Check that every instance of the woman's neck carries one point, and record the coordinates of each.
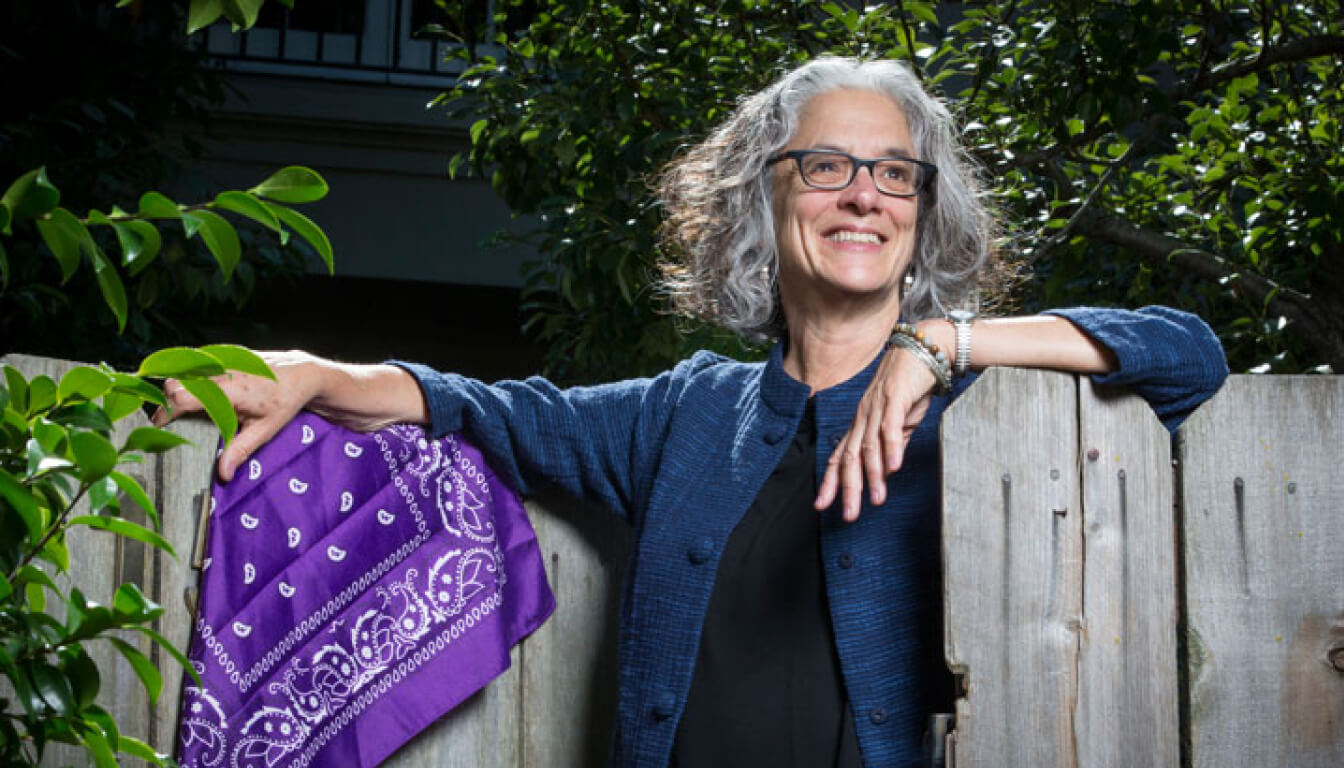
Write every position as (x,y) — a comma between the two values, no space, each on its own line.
(827,349)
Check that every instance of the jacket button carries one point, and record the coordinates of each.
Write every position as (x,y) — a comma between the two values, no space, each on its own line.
(878,716)
(776,433)
(701,551)
(664,705)
(845,560)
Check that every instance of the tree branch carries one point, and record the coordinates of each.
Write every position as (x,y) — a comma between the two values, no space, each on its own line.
(1155,246)
(1300,49)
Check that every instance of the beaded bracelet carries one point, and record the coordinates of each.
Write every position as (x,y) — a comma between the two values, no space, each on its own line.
(909,337)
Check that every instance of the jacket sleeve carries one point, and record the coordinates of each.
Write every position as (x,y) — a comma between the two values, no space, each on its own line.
(1168,357)
(591,442)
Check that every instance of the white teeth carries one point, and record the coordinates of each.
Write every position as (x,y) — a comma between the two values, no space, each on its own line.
(845,236)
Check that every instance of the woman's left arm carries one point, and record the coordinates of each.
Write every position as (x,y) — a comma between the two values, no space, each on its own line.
(1170,358)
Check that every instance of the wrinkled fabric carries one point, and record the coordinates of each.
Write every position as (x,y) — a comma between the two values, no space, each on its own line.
(355,588)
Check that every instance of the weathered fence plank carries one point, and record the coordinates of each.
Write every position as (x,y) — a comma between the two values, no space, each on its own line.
(1011,556)
(1127,688)
(569,664)
(1262,496)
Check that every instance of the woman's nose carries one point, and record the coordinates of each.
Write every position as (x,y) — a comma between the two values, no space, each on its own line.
(861,195)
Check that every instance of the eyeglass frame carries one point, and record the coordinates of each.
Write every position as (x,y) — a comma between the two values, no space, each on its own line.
(928,171)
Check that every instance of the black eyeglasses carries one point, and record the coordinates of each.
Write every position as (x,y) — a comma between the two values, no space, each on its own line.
(829,169)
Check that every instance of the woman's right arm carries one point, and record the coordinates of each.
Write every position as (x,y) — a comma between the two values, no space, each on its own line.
(598,443)
(360,397)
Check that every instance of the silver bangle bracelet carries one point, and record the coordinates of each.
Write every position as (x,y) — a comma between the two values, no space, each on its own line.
(909,337)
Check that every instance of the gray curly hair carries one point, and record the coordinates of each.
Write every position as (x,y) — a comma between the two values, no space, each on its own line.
(720,257)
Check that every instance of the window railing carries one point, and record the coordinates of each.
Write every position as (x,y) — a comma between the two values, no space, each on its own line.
(350,40)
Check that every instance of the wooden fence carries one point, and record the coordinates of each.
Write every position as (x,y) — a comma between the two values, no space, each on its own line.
(1109,603)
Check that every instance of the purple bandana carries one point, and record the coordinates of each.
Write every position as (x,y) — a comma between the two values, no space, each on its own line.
(356,587)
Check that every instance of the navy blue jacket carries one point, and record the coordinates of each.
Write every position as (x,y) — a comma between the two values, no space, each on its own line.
(682,455)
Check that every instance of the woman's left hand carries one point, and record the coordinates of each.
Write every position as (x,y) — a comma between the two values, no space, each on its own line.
(874,447)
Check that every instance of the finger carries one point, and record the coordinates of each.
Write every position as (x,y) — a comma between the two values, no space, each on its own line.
(894,438)
(252,436)
(851,479)
(851,452)
(830,482)
(872,467)
(180,402)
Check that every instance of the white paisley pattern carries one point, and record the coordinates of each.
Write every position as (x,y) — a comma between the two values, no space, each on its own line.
(411,618)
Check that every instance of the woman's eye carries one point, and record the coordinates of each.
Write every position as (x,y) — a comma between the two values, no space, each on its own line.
(896,173)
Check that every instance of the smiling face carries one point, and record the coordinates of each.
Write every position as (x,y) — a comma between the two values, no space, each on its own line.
(841,246)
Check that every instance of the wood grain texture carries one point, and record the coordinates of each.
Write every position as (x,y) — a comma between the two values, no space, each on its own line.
(1127,688)
(569,664)
(1262,499)
(1012,567)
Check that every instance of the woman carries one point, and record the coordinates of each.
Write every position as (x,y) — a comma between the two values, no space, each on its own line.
(754,630)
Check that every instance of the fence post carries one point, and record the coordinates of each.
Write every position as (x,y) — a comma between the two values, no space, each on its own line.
(1262,498)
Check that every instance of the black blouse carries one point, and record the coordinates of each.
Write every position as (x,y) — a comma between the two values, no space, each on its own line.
(767,688)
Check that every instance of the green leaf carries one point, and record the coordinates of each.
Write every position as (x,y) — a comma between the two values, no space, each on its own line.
(48,434)
(248,205)
(18,389)
(109,282)
(118,406)
(22,502)
(4,268)
(84,382)
(221,239)
(31,574)
(83,674)
(94,454)
(102,494)
(64,235)
(152,440)
(144,668)
(154,205)
(123,527)
(140,244)
(136,493)
(170,648)
(96,715)
(37,600)
(51,684)
(134,386)
(477,128)
(179,362)
(96,743)
(31,195)
(129,745)
(237,358)
(216,405)
(41,394)
(85,415)
(202,14)
(5,219)
(294,184)
(56,553)
(308,231)
(130,603)
(243,13)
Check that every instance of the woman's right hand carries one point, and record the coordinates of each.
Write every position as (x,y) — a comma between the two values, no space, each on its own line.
(360,397)
(263,406)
